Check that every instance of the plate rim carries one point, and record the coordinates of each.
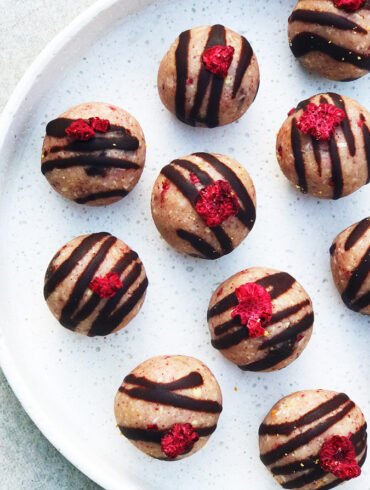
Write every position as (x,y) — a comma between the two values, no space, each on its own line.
(8,122)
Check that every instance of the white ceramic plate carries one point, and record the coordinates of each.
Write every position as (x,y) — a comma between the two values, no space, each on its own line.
(66,382)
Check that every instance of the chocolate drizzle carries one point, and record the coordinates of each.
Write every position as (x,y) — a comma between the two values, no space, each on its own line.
(101,195)
(207,82)
(298,157)
(355,283)
(346,125)
(113,311)
(155,435)
(117,138)
(357,233)
(245,59)
(307,436)
(163,393)
(366,136)
(306,42)
(326,19)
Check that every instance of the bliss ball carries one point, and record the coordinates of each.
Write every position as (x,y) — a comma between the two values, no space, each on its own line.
(350,265)
(260,319)
(93,154)
(95,285)
(323,147)
(168,406)
(332,37)
(204,204)
(209,76)
(313,440)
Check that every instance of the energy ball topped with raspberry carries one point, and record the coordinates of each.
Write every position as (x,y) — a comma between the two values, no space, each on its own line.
(204,204)
(169,406)
(93,154)
(260,319)
(312,440)
(350,265)
(95,285)
(332,37)
(209,77)
(323,147)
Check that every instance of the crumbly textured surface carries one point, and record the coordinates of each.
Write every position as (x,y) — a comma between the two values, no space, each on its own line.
(176,193)
(350,265)
(102,170)
(164,391)
(294,431)
(195,95)
(327,169)
(329,40)
(287,333)
(68,280)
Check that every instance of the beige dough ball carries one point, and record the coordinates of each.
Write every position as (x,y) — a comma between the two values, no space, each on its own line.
(204,204)
(95,285)
(326,168)
(299,435)
(350,265)
(260,319)
(209,77)
(169,406)
(330,40)
(91,161)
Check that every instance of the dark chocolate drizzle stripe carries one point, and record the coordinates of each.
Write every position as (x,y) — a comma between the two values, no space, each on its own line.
(289,334)
(312,416)
(345,125)
(101,195)
(232,339)
(362,302)
(99,143)
(326,19)
(244,61)
(355,283)
(332,248)
(191,380)
(304,438)
(208,81)
(336,164)
(163,393)
(276,285)
(306,42)
(95,299)
(203,247)
(358,440)
(104,326)
(55,278)
(100,162)
(366,136)
(182,59)
(57,129)
(276,317)
(248,214)
(357,233)
(150,435)
(189,190)
(298,156)
(274,357)
(83,281)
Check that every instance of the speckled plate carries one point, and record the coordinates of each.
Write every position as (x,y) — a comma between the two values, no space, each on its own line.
(66,382)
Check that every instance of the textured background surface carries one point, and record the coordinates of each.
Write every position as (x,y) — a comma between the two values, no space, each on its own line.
(27,460)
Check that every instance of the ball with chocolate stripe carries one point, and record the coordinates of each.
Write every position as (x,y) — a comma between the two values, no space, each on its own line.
(350,265)
(323,147)
(93,154)
(260,319)
(95,284)
(313,440)
(332,37)
(169,406)
(209,77)
(204,204)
